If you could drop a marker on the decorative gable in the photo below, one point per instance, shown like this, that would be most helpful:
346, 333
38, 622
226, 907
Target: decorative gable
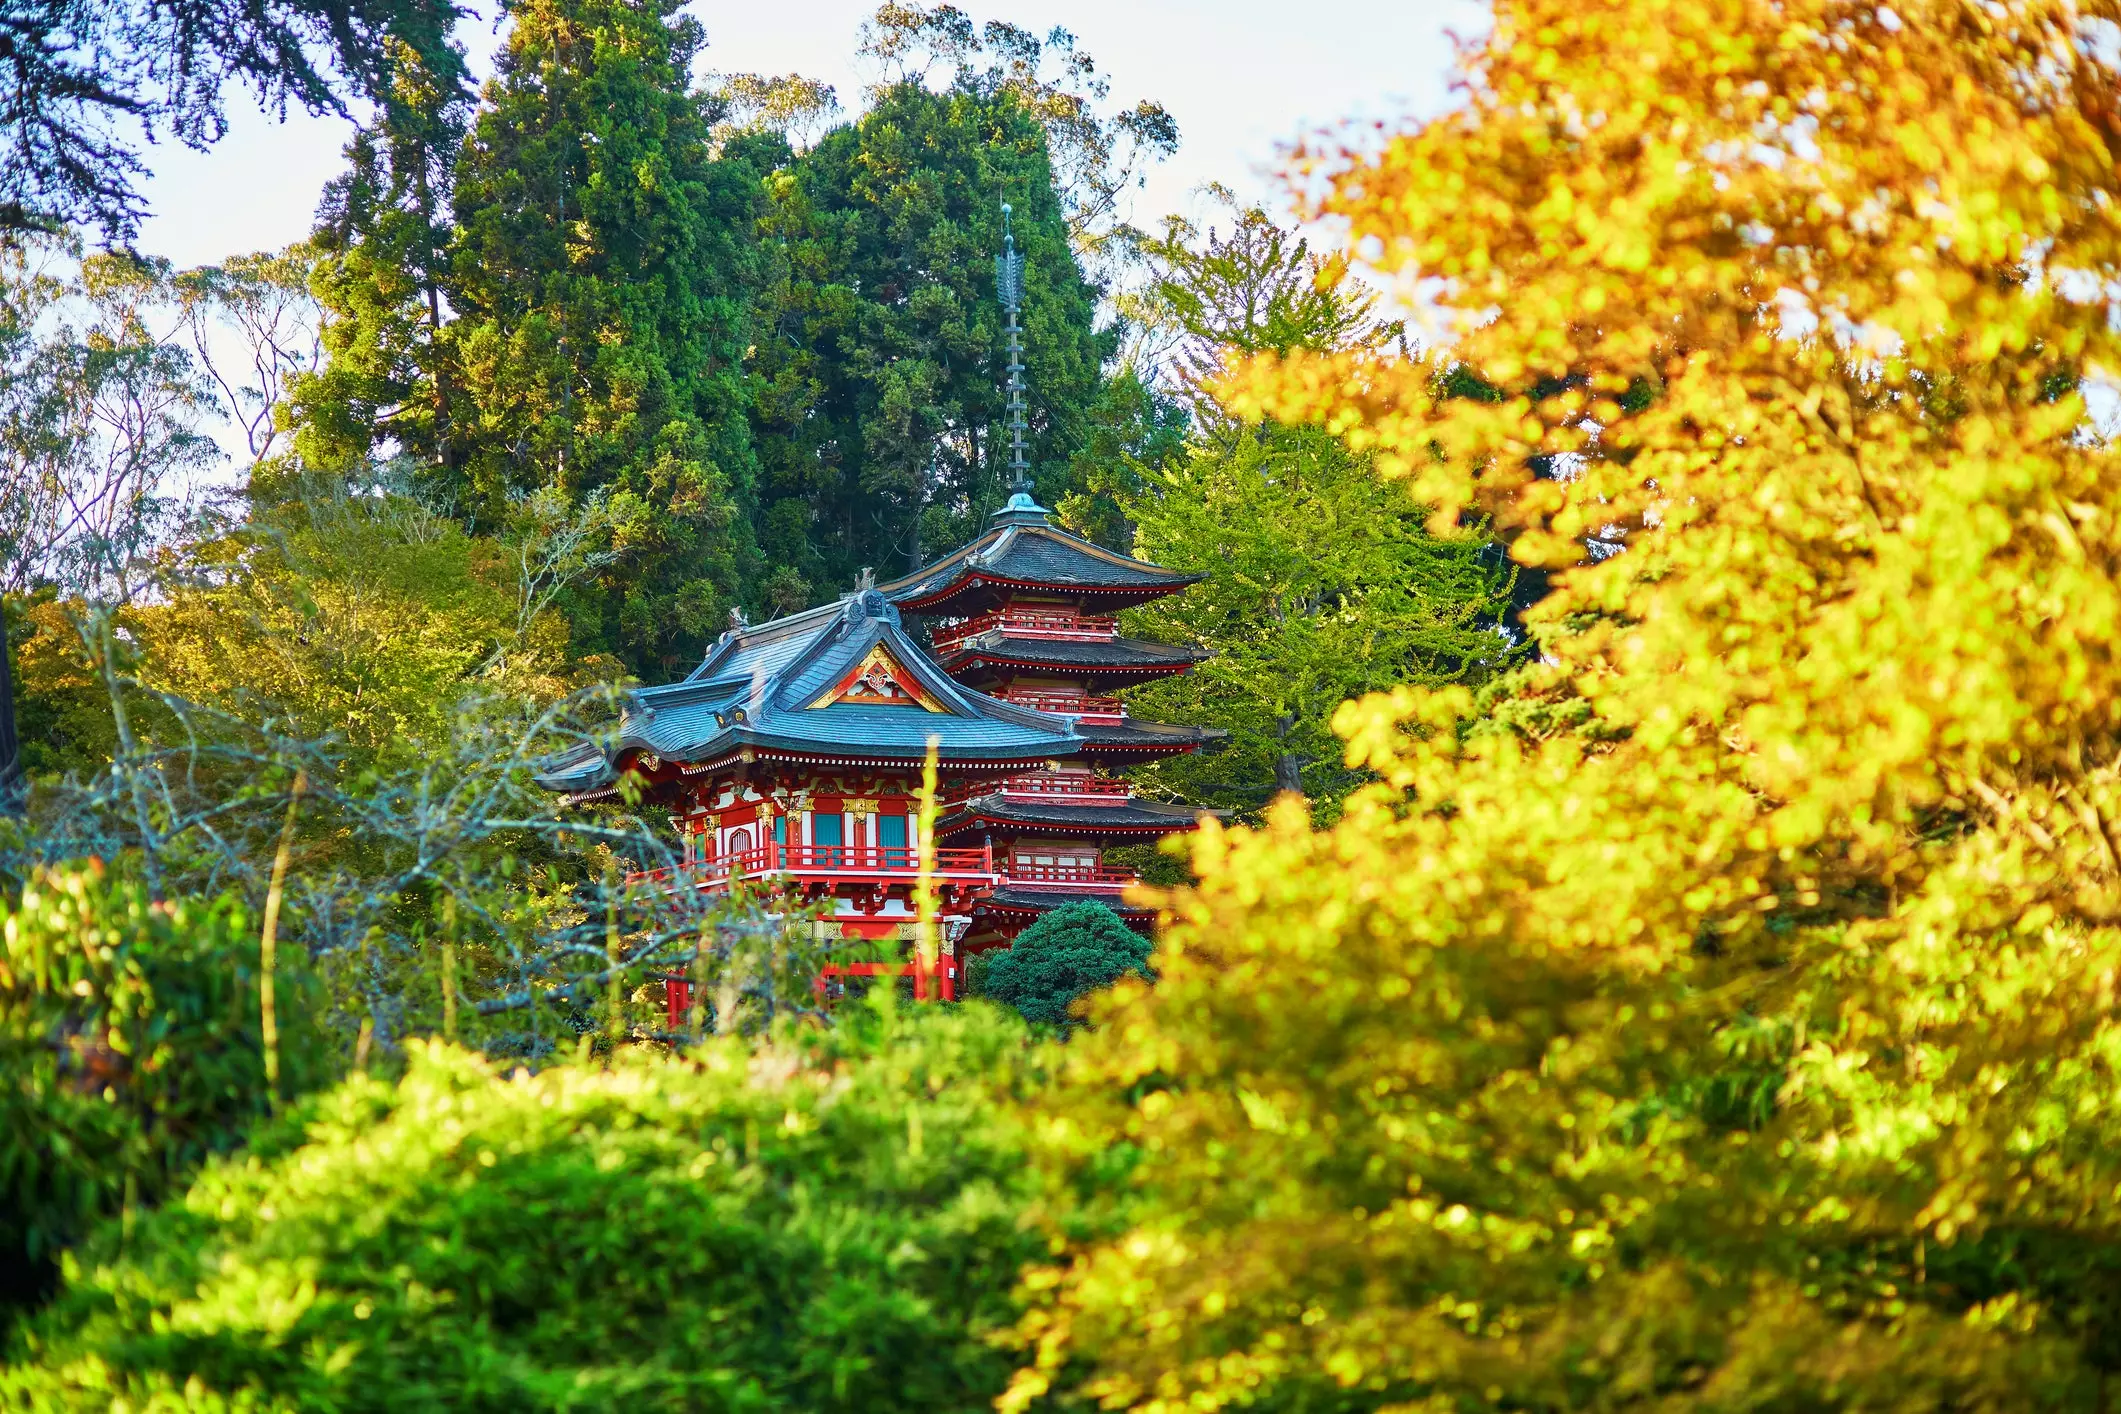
879, 680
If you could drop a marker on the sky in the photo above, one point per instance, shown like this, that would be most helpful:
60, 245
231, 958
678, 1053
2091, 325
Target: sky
1244, 78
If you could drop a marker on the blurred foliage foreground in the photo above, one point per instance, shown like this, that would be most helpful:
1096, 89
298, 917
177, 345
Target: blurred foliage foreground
1722, 1017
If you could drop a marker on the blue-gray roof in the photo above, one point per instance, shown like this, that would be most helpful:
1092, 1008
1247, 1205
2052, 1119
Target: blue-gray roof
1023, 546
757, 686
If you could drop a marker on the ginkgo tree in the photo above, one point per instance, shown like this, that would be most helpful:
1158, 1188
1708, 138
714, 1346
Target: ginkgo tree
1725, 1019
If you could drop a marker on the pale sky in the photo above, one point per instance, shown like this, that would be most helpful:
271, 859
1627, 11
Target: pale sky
1244, 78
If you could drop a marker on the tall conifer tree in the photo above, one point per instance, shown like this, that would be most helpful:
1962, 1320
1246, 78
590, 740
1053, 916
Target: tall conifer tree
586, 322
879, 370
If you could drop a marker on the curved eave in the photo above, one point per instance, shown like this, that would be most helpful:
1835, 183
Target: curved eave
1116, 674
1002, 824
1135, 750
1029, 903
1003, 762
944, 600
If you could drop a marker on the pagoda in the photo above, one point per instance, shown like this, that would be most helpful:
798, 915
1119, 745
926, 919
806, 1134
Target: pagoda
1025, 614
792, 756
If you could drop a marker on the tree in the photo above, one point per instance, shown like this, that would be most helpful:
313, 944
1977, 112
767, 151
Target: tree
100, 439
1068, 953
75, 71
829, 1222
877, 378
381, 276
1321, 581
1320, 584
568, 310
1098, 153
1724, 1020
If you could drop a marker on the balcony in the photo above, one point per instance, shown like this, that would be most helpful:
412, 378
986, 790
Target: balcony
1090, 709
1066, 787
1027, 623
828, 865
1073, 878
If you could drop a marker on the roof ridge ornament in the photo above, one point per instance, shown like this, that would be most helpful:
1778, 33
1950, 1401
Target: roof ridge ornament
1009, 287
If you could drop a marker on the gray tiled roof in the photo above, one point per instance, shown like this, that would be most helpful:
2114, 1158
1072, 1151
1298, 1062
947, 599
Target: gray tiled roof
1037, 900
1108, 655
1134, 816
1022, 544
756, 686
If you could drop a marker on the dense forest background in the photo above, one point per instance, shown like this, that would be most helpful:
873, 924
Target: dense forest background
657, 347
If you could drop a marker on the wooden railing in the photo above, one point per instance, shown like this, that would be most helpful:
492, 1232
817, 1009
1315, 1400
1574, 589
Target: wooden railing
1028, 623
1097, 878
1064, 785
866, 862
1074, 705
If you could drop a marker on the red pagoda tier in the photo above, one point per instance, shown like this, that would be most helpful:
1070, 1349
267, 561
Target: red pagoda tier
1025, 614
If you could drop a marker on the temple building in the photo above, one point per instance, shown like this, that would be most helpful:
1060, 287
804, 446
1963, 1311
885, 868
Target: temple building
792, 755
1026, 614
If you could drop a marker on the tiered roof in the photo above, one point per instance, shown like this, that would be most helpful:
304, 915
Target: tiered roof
1132, 816
1024, 552
842, 683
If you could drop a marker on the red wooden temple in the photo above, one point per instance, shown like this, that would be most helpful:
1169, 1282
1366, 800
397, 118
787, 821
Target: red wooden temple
791, 757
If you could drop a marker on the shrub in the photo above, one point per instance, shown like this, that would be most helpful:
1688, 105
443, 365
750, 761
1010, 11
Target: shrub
1069, 953
829, 1221
130, 1039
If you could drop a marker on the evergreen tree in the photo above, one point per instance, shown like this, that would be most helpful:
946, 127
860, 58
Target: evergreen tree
879, 371
1067, 954
382, 241
596, 283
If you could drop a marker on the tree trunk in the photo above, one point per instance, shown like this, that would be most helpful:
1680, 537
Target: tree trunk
10, 747
1289, 774
1288, 766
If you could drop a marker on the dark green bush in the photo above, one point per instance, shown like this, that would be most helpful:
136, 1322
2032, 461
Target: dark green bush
130, 1051
829, 1221
1067, 954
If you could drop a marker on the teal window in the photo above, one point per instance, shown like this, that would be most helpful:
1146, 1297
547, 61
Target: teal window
780, 829
891, 838
828, 831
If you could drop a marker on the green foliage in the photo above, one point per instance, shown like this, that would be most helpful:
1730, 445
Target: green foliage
130, 1039
1320, 584
578, 322
826, 1222
1067, 954
878, 375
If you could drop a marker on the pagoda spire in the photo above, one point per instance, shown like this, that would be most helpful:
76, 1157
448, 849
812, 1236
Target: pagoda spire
1009, 285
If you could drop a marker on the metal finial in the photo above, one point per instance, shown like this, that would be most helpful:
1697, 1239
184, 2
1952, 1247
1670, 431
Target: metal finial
1009, 286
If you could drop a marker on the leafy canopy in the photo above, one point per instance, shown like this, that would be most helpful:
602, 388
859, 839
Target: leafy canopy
1738, 1030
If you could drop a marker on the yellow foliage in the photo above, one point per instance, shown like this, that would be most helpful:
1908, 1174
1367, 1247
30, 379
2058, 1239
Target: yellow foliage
369, 621
1751, 1043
